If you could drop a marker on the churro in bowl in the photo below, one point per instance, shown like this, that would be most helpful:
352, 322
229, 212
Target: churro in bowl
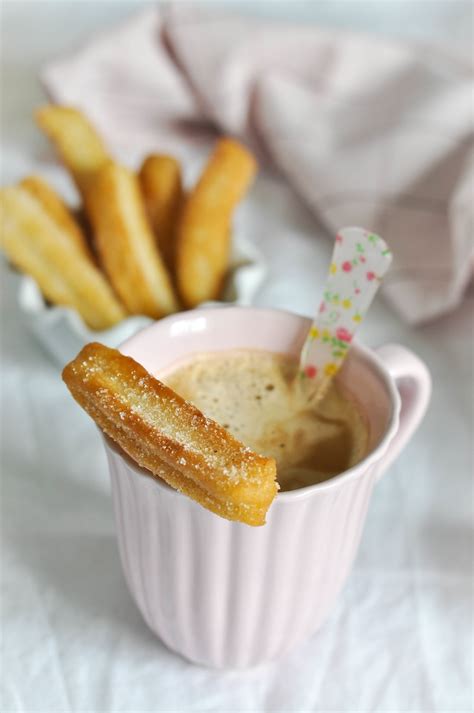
139, 245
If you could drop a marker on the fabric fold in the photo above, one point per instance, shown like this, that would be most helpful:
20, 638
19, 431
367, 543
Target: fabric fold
368, 132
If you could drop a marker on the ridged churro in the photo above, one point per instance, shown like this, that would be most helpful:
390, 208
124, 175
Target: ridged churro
203, 239
38, 245
170, 437
77, 142
125, 243
160, 181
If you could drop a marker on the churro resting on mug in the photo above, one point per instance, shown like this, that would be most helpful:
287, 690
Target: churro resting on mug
38, 245
170, 437
160, 182
204, 230
125, 243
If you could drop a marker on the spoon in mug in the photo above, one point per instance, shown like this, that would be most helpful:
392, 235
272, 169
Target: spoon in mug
360, 260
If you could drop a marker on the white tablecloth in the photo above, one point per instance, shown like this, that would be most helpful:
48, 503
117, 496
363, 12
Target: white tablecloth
400, 637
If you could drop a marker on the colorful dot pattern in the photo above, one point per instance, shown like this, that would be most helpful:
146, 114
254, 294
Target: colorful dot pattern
359, 262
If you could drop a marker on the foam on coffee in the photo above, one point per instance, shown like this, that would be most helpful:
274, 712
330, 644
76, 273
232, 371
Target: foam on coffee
252, 394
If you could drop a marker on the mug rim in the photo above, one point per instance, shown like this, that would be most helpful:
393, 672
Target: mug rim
335, 481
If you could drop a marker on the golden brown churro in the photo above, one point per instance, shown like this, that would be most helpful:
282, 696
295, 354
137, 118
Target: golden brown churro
77, 142
160, 181
170, 437
146, 236
38, 245
126, 245
57, 210
203, 241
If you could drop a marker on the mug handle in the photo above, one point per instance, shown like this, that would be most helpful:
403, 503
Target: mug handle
413, 381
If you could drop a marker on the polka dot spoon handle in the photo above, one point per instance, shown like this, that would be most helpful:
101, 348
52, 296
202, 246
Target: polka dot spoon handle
359, 262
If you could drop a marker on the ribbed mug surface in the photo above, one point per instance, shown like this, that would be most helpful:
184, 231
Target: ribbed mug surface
225, 594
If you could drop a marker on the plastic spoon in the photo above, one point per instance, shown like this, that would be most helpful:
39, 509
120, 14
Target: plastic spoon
360, 260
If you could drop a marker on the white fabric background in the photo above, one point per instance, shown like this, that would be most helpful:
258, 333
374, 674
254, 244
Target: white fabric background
400, 637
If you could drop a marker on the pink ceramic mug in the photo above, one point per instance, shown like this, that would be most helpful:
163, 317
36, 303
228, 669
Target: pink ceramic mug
225, 594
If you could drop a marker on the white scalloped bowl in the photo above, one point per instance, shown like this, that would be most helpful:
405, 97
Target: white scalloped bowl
63, 333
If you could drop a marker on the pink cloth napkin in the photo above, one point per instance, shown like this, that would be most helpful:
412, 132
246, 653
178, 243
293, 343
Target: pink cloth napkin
368, 132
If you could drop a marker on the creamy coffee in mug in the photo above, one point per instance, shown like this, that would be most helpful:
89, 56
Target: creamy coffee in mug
252, 393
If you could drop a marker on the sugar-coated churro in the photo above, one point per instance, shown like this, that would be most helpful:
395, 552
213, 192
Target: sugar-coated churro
170, 437
125, 243
160, 182
203, 238
38, 245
